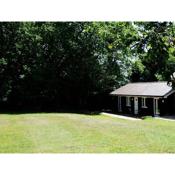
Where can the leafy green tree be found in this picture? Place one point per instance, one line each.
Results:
(58, 64)
(114, 52)
(153, 48)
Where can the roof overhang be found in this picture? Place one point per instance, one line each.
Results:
(169, 93)
(129, 95)
(148, 96)
(144, 89)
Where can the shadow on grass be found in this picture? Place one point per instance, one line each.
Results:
(172, 117)
(84, 112)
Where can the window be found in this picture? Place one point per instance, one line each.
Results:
(144, 102)
(128, 101)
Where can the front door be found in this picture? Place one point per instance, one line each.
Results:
(135, 105)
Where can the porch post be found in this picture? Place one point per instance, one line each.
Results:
(135, 105)
(156, 107)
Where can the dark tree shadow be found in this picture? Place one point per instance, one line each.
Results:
(85, 112)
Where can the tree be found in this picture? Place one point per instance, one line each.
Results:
(153, 48)
(61, 64)
(114, 53)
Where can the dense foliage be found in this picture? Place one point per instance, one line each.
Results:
(55, 65)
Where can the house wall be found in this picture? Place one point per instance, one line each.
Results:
(114, 102)
(148, 110)
(167, 105)
(163, 106)
(130, 109)
(126, 109)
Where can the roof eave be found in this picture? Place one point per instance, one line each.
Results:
(151, 96)
(169, 93)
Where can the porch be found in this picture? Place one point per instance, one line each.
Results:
(139, 105)
(146, 98)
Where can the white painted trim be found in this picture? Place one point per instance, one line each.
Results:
(169, 93)
(143, 102)
(156, 106)
(128, 101)
(139, 96)
(136, 107)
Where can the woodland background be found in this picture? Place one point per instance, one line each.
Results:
(52, 66)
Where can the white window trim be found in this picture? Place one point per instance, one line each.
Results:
(128, 101)
(143, 102)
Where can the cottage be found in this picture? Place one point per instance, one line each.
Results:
(145, 98)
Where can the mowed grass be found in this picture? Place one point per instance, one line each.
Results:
(78, 133)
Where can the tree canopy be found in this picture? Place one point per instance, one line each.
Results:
(58, 64)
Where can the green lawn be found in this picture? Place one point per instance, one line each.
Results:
(77, 133)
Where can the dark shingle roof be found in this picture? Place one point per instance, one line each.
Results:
(157, 89)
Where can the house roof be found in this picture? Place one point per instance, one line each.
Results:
(156, 89)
